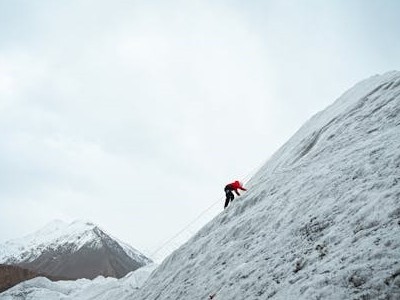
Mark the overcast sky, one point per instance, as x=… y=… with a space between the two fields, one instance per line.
x=135 y=114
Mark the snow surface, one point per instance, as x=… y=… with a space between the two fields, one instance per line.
x=320 y=220
x=55 y=234
x=99 y=288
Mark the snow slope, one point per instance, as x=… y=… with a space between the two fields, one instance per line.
x=320 y=220
x=99 y=288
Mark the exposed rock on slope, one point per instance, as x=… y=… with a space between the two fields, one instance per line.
x=321 y=219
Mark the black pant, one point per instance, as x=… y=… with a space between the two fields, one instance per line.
x=229 y=197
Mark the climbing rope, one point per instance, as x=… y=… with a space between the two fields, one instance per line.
x=185 y=228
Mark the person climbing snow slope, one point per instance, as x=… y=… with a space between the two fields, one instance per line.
x=232 y=187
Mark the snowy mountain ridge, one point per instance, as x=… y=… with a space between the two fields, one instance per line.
x=77 y=250
x=55 y=234
x=52 y=235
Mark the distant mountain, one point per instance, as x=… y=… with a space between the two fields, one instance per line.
x=77 y=250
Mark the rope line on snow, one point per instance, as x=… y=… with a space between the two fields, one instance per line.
x=184 y=228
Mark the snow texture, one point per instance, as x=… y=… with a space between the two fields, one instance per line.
x=55 y=234
x=99 y=288
x=320 y=220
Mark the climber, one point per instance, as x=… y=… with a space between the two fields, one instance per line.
x=234 y=186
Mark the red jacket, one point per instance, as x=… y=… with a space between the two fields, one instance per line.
x=235 y=186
